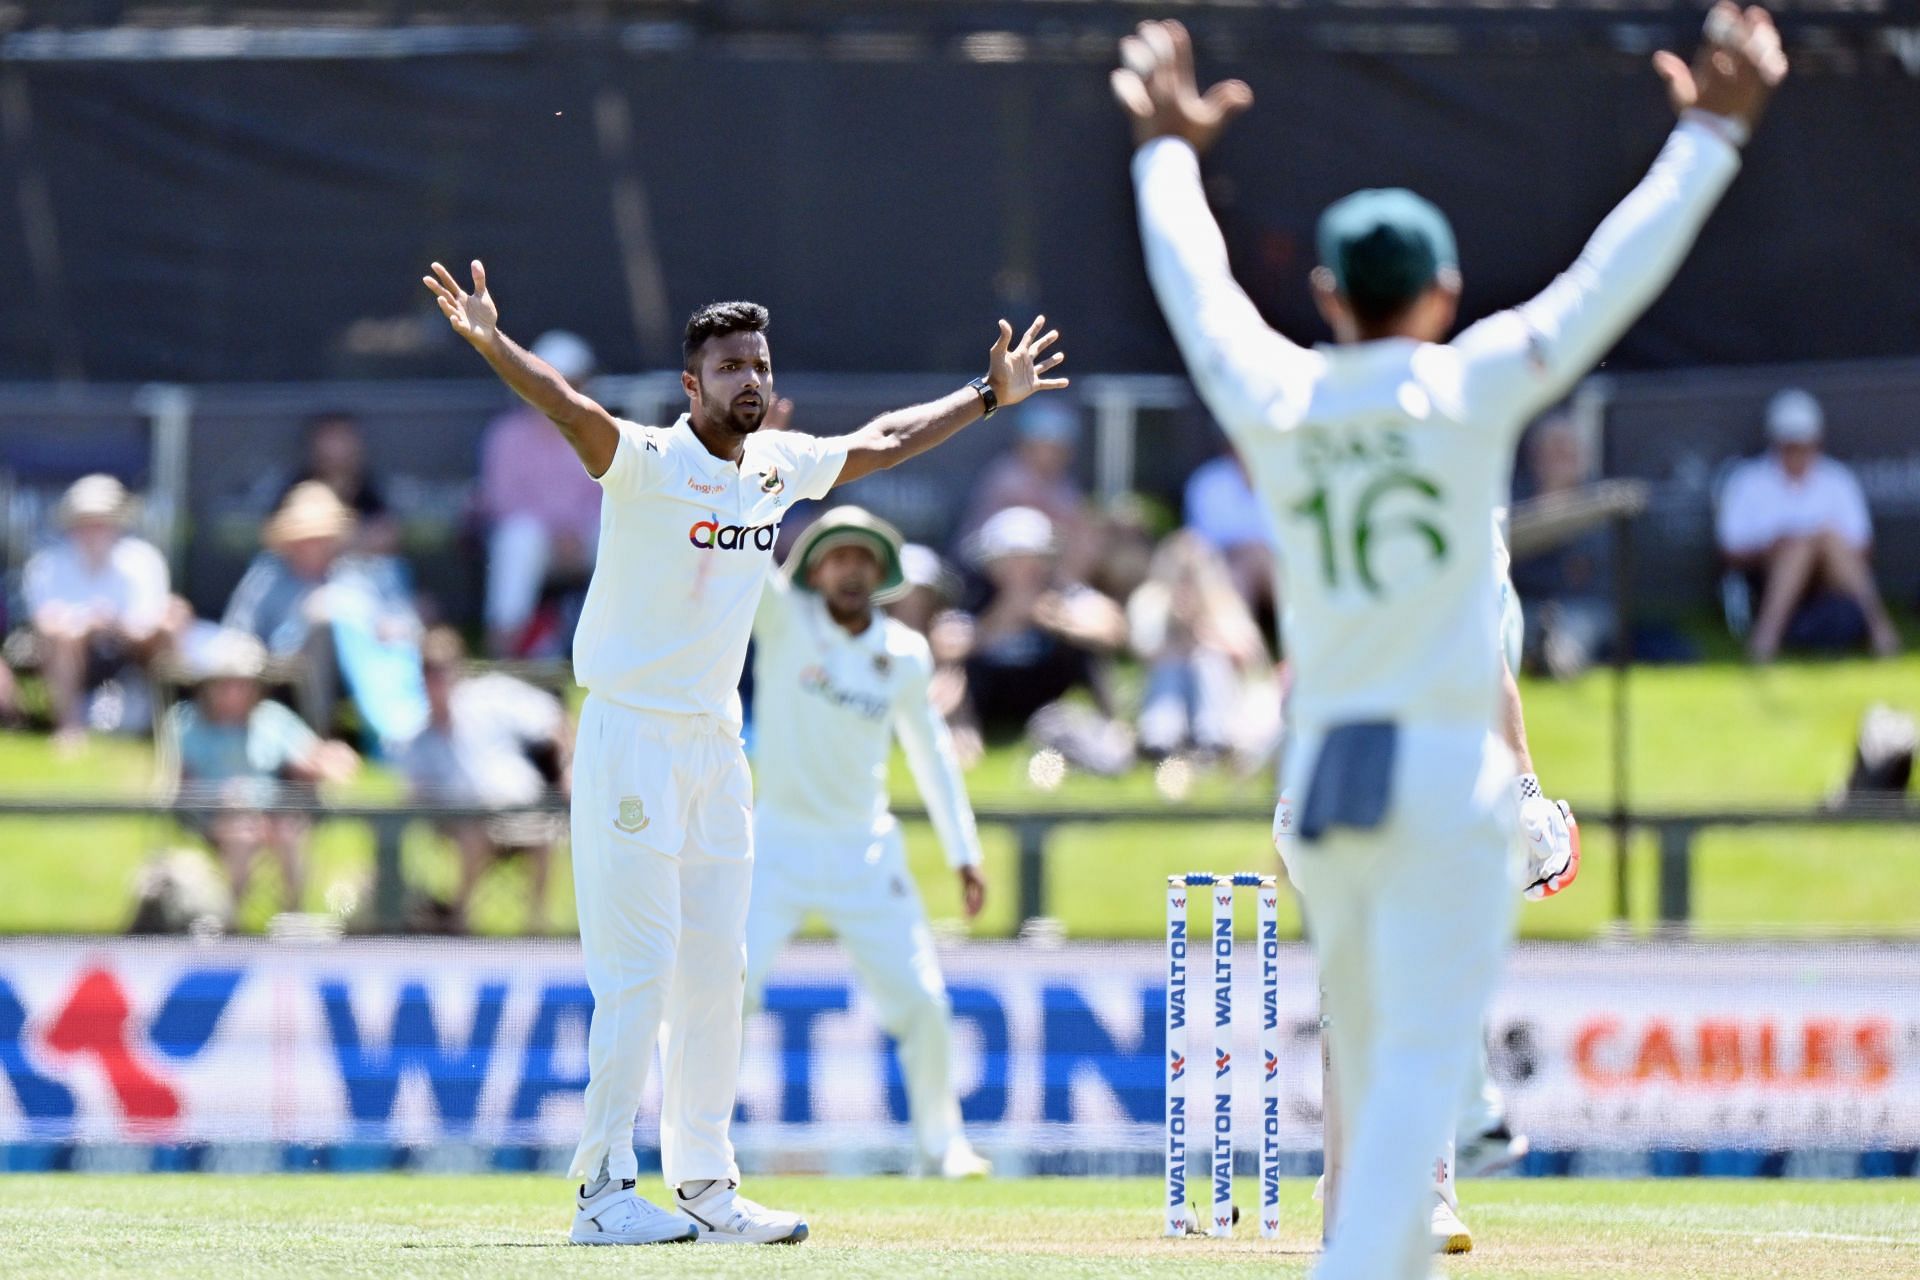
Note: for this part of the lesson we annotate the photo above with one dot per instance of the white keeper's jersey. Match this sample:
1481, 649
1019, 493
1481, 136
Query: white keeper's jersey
686, 541
1381, 462
826, 707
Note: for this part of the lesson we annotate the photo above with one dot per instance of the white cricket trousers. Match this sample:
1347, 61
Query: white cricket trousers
859, 883
662, 867
1409, 923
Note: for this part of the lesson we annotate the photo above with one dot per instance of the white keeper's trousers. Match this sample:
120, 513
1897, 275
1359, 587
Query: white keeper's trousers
1409, 923
662, 865
859, 883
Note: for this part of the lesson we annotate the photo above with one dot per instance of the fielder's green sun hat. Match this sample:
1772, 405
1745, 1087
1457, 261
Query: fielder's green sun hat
1385, 245
850, 526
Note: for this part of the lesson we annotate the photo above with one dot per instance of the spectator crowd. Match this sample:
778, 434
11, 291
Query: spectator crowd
1097, 635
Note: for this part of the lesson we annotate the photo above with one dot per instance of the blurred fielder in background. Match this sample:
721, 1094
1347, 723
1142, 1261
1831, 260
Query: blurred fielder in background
1382, 458
662, 800
834, 681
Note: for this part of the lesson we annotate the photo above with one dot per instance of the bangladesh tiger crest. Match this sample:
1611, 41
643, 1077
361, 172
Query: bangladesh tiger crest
633, 815
770, 481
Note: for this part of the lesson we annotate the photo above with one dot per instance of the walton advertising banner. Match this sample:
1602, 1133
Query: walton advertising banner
1638, 1047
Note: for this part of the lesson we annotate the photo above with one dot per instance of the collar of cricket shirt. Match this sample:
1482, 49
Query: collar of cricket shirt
703, 458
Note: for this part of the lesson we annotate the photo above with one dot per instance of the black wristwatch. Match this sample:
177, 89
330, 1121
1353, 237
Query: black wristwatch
988, 401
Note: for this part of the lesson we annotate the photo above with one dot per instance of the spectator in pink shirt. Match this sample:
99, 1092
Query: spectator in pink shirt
1038, 473
542, 508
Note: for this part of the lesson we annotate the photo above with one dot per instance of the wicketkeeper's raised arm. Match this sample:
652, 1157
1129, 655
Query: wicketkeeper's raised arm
1530, 356
1537, 351
1237, 362
1239, 365
587, 426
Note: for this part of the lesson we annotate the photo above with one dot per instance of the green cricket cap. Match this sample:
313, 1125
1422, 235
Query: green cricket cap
1385, 245
850, 526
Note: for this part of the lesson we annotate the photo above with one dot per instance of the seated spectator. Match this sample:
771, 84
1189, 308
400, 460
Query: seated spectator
335, 454
238, 755
100, 605
1125, 534
1569, 611
1794, 522
542, 512
1220, 505
1038, 637
495, 742
930, 587
305, 595
1038, 473
1209, 679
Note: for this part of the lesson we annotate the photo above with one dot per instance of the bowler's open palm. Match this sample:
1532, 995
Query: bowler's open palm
472, 315
1017, 371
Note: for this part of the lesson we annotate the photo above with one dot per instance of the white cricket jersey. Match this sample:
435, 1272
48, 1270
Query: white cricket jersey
826, 706
686, 540
1381, 461
1762, 503
131, 586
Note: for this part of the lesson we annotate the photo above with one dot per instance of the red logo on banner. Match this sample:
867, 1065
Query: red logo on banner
1722, 1052
96, 1021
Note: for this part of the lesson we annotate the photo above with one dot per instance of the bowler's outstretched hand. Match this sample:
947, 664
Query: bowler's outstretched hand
472, 315
1017, 371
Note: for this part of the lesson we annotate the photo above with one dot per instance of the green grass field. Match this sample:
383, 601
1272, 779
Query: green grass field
1721, 735
1036, 1229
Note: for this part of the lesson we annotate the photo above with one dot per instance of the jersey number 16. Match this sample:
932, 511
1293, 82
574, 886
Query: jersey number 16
1366, 527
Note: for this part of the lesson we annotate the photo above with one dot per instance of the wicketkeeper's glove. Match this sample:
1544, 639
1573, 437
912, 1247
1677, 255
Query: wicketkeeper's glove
1551, 838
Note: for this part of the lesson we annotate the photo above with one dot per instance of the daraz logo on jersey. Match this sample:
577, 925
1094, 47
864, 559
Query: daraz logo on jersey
815, 680
711, 535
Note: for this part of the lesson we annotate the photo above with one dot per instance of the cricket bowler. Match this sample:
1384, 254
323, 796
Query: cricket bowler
835, 681
661, 815
1381, 458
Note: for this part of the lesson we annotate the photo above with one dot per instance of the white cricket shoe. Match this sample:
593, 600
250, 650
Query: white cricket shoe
1490, 1152
617, 1216
724, 1216
1450, 1235
960, 1163
963, 1162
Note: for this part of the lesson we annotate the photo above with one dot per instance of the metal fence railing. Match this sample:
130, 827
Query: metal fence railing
1674, 831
